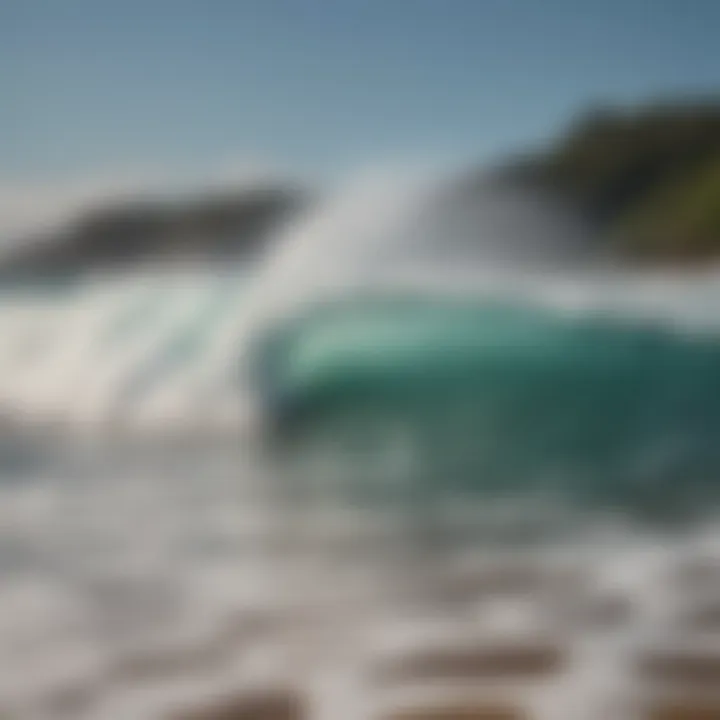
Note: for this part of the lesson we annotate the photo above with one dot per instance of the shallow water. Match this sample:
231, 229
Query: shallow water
140, 583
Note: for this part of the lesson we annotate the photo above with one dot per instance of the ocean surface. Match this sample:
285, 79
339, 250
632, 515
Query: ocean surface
271, 477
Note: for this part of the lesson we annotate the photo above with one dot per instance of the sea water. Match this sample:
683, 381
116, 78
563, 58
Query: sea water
421, 425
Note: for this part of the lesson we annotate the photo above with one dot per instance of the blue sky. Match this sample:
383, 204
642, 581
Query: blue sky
92, 87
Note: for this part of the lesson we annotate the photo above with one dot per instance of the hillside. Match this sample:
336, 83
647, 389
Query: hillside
648, 178
209, 228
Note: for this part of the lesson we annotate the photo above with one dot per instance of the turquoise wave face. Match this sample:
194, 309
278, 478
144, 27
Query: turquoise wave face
504, 398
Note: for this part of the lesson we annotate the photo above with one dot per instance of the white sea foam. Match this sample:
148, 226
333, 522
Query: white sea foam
125, 549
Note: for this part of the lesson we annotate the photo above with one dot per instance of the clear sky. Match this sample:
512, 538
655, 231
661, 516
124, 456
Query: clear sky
93, 87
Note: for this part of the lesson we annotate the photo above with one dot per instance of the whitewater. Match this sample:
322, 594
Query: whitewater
163, 549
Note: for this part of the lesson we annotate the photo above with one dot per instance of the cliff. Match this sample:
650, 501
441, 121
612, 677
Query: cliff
648, 178
212, 228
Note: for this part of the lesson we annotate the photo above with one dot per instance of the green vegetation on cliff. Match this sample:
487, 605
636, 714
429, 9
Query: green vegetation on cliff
648, 178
